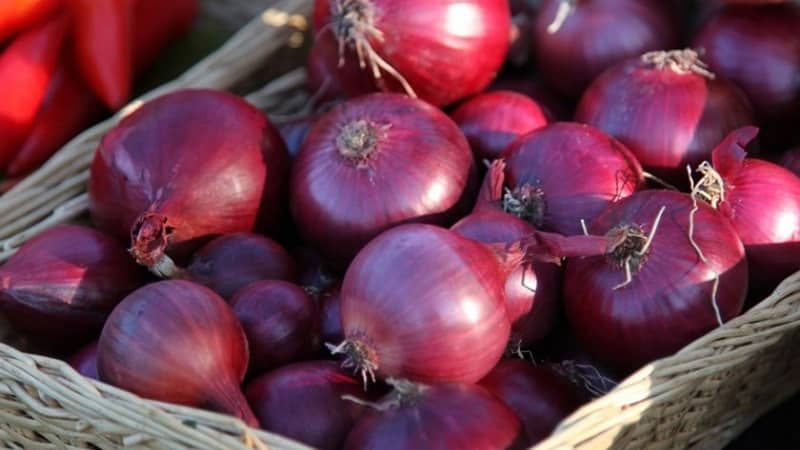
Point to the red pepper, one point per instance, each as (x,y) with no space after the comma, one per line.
(102,37)
(27,67)
(18,15)
(156,23)
(69,108)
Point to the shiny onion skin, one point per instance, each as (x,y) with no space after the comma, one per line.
(493,120)
(280,320)
(184,168)
(179,342)
(762,201)
(375,162)
(437,416)
(303,401)
(668,302)
(85,361)
(58,289)
(532,290)
(567,172)
(443,50)
(540,397)
(424,303)
(667,109)
(758,48)
(232,261)
(595,35)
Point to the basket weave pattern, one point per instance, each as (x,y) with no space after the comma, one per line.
(702,397)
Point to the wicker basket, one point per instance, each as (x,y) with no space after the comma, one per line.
(702,397)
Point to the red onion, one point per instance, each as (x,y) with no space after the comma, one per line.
(673,295)
(538,396)
(375,162)
(575,41)
(758,48)
(442,416)
(303,401)
(328,81)
(567,172)
(492,121)
(177,342)
(790,160)
(531,290)
(85,361)
(438,50)
(762,201)
(232,261)
(554,107)
(667,108)
(58,289)
(186,167)
(280,320)
(331,310)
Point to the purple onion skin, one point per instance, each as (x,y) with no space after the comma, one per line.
(540,397)
(444,416)
(303,401)
(179,342)
(666,119)
(281,322)
(532,293)
(668,304)
(85,361)
(597,35)
(579,169)
(58,289)
(294,133)
(419,168)
(232,261)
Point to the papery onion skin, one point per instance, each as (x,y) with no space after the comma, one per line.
(574,172)
(184,168)
(280,320)
(758,48)
(424,303)
(426,42)
(443,415)
(58,289)
(232,261)
(667,119)
(303,401)
(85,361)
(375,162)
(668,302)
(762,201)
(540,397)
(178,342)
(493,120)
(596,35)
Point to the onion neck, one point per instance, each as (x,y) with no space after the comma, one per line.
(226,397)
(711,186)
(149,242)
(357,140)
(527,203)
(686,61)
(359,356)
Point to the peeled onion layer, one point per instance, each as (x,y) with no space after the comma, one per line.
(58,289)
(668,302)
(418,47)
(184,168)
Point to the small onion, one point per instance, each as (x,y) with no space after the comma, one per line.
(85,361)
(673,295)
(667,108)
(184,168)
(443,415)
(567,172)
(178,342)
(493,120)
(303,401)
(540,397)
(372,163)
(438,50)
(58,289)
(575,41)
(280,321)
